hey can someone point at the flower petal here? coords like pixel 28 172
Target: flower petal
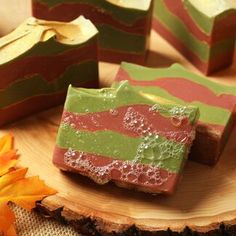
pixel 6 143
pixel 7 218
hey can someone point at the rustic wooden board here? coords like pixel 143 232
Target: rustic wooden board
pixel 205 198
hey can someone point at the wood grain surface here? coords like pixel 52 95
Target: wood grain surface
pixel 205 199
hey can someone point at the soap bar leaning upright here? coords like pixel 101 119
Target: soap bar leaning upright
pixel 124 26
pixel 116 134
pixel 204 31
pixel 216 102
pixel 39 60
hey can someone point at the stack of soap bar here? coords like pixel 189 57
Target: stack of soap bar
pixel 216 102
pixel 124 26
pixel 203 31
pixel 39 60
pixel 116 134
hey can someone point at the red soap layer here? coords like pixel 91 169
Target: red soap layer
pixel 224 28
pixel 117 56
pixel 147 120
pixel 36 104
pixel 224 101
pixel 192 91
pixel 217 63
pixel 210 139
pixel 104 169
pixel 49 67
pixel 69 11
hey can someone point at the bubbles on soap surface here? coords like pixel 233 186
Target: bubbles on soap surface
pixel 125 171
pixel 177 112
pixel 136 122
pixel 156 149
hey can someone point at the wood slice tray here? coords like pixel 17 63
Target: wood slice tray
pixel 205 201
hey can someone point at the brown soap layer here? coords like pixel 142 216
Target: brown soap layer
pixel 223 28
pixel 49 67
pixel 69 11
pixel 115 170
pixel 210 138
pixel 162 125
pixel 195 91
pixel 210 143
pixel 117 56
pixel 36 104
pixel 217 63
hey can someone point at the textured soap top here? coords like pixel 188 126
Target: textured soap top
pixel 34 31
pixel 213 8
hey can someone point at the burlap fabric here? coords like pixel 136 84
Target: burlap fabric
pixel 32 224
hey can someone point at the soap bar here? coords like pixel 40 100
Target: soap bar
pixel 204 31
pixel 216 102
pixel 124 26
pixel 39 60
pixel 118 135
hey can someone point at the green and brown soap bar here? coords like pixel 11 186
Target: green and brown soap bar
pixel 216 102
pixel 40 59
pixel 204 31
pixel 118 135
pixel 124 25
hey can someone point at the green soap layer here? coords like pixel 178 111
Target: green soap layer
pixel 208 114
pixel 140 73
pixel 126 15
pixel 205 22
pixel 36 85
pixel 180 31
pixel 166 154
pixel 51 48
pixel 82 101
pixel 115 39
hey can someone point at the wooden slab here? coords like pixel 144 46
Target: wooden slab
pixel 205 198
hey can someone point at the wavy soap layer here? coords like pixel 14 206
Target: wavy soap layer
pixel 207 23
pixel 101 121
pixel 179 30
pixel 216 63
pixel 116 146
pixel 32 64
pixel 104 169
pixel 91 12
pixel 36 85
pixel 35 104
pixel 208 51
pixel 225 26
pixel 215 101
pixel 117 126
pixel 116 24
pixel 109 99
pixel 126 16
